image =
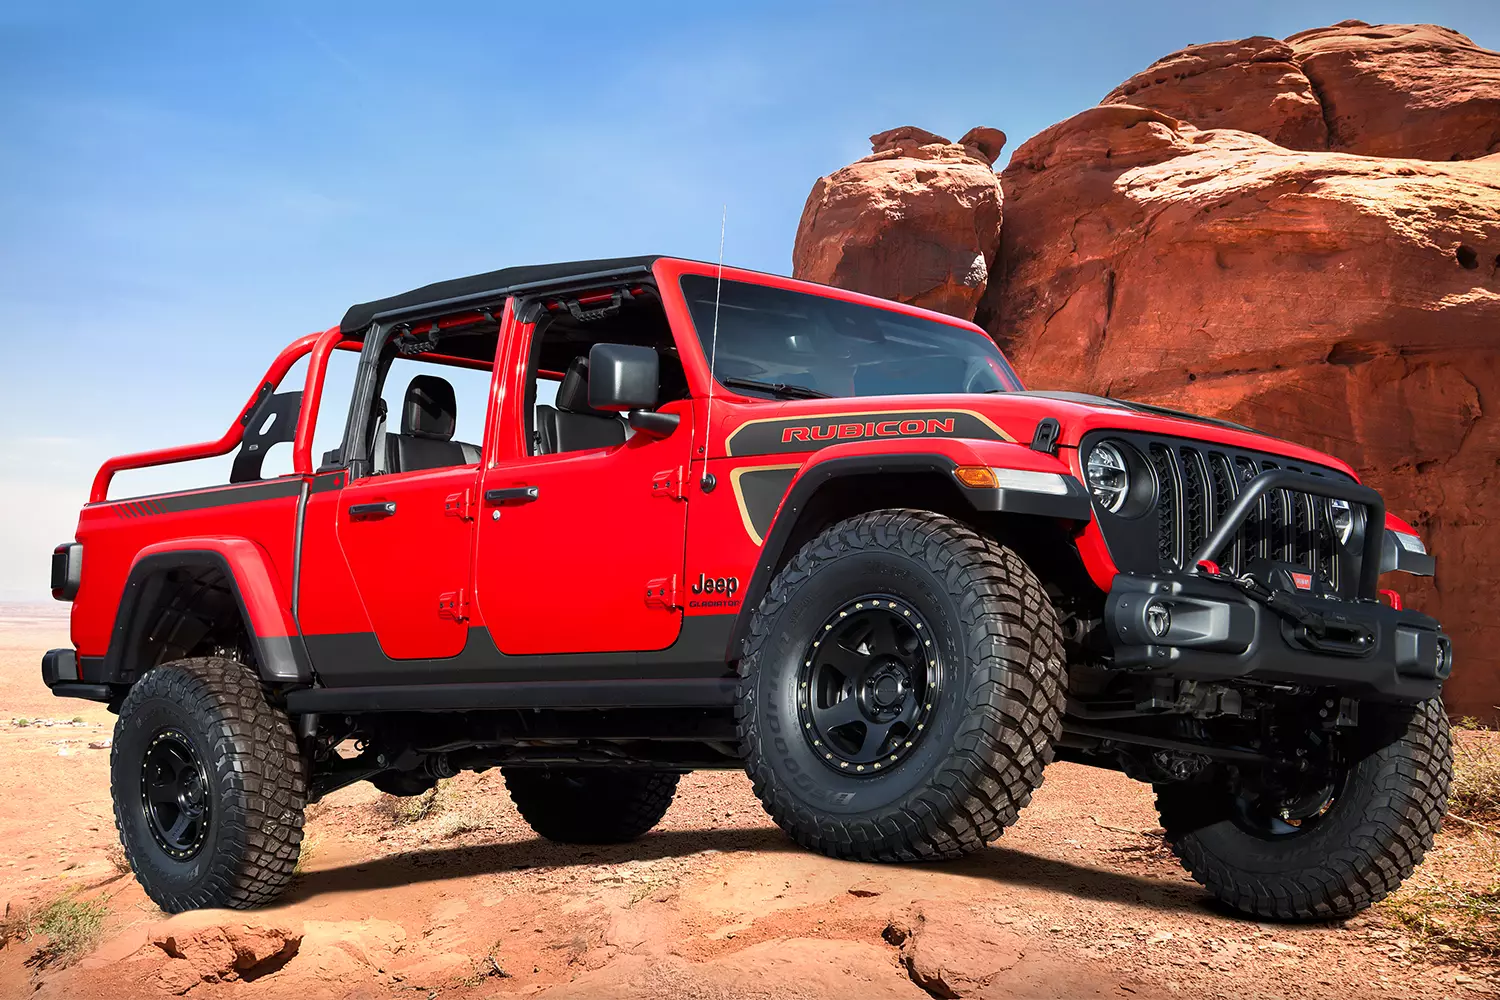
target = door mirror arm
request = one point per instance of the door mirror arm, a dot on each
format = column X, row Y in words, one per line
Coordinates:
column 653, row 424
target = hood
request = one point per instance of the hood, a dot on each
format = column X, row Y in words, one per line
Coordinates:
column 800, row 425
column 1127, row 404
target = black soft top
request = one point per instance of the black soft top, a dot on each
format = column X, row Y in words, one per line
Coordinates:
column 490, row 285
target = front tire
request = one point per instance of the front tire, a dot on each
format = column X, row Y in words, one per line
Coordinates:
column 590, row 805
column 901, row 690
column 1320, row 860
column 208, row 786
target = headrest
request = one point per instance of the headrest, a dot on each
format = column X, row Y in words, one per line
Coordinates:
column 573, row 393
column 429, row 410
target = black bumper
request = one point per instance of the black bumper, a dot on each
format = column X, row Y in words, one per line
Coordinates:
column 63, row 674
column 1217, row 633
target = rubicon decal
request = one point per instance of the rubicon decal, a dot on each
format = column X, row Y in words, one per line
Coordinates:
column 809, row 433
column 884, row 428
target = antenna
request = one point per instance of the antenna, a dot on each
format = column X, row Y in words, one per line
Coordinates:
column 708, row 481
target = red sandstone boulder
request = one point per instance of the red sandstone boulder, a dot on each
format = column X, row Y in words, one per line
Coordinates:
column 1349, row 303
column 918, row 220
column 1412, row 90
column 1253, row 84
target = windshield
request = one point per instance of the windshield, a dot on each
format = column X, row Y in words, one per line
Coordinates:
column 783, row 344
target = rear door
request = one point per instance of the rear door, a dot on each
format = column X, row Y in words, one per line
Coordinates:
column 407, row 539
column 407, row 530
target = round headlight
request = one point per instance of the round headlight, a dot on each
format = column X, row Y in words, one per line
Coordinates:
column 1108, row 477
column 1343, row 520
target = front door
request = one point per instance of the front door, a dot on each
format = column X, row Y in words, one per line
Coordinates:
column 582, row 552
column 582, row 523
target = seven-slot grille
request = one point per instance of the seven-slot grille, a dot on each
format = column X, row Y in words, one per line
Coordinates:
column 1197, row 482
column 1196, row 486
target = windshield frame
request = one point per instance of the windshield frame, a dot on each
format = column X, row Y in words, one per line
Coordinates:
column 671, row 274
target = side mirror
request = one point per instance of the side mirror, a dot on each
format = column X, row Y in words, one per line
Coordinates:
column 623, row 377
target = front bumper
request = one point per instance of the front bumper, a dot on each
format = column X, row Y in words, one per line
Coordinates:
column 1216, row 633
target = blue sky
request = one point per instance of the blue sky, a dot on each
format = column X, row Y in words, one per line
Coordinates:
column 185, row 188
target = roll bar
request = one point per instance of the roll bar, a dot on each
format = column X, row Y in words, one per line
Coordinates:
column 319, row 345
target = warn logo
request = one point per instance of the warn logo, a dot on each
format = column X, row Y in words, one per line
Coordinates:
column 868, row 429
column 804, row 433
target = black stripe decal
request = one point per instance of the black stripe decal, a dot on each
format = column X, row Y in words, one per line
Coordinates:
column 810, row 432
column 176, row 503
column 355, row 659
column 759, row 493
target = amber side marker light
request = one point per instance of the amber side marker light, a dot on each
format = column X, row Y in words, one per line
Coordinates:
column 983, row 477
column 980, row 477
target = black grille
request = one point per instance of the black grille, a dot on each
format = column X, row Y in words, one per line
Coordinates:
column 1196, row 488
column 1197, row 483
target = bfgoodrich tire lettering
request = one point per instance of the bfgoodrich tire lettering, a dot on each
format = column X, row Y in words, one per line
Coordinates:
column 1373, row 835
column 995, row 716
column 255, row 785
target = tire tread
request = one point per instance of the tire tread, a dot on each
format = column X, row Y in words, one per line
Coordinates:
column 1014, row 696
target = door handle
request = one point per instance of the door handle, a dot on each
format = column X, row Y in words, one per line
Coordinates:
column 511, row 494
column 372, row 511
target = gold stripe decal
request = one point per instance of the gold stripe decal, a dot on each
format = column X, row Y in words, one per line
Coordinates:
column 810, row 432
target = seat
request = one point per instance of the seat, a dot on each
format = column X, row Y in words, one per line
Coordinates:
column 573, row 425
column 428, row 416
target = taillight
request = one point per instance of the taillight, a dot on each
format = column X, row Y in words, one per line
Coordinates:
column 67, row 571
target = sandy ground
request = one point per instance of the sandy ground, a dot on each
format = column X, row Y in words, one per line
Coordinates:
column 1079, row 899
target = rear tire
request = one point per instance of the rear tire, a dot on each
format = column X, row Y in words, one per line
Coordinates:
column 209, row 787
column 1373, row 833
column 590, row 805
column 964, row 626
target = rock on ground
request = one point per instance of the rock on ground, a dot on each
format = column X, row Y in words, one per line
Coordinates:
column 918, row 220
column 210, row 946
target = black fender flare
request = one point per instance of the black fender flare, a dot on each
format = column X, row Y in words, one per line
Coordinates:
column 280, row 659
column 1074, row 506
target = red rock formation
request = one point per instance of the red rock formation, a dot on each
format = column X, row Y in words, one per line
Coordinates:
column 1404, row 89
column 1349, row 303
column 917, row 220
column 1413, row 90
column 1253, row 84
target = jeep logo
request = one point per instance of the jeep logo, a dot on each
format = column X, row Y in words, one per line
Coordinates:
column 726, row 585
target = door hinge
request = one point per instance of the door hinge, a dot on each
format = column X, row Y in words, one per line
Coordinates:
column 662, row 593
column 454, row 606
column 460, row 505
column 668, row 484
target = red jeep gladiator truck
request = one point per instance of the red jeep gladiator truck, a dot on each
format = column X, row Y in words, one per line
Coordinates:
column 704, row 517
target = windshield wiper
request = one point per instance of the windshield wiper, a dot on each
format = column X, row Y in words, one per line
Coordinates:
column 781, row 390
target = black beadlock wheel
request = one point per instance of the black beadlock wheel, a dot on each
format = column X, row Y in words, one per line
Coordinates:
column 901, row 689
column 1330, row 848
column 590, row 805
column 208, row 786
